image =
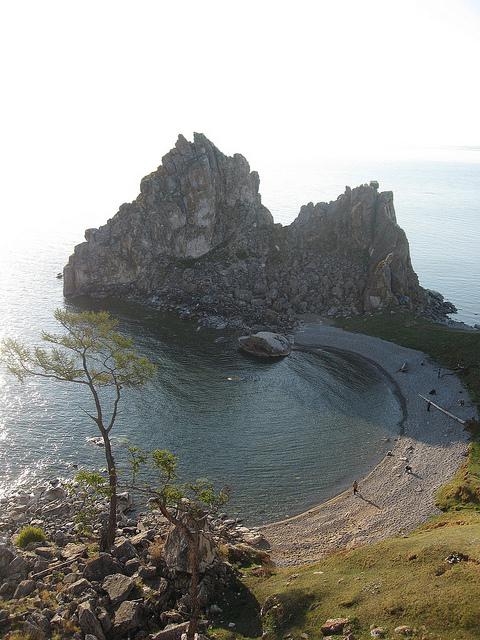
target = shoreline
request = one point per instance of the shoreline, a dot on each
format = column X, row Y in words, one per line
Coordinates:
column 390, row 501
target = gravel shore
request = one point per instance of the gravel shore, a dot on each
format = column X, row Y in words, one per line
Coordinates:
column 390, row 501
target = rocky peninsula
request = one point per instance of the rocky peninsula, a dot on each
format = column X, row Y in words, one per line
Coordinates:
column 199, row 241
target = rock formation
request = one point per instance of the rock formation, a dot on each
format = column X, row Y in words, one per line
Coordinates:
column 197, row 240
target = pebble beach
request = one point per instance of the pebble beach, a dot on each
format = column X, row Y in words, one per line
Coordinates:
column 390, row 501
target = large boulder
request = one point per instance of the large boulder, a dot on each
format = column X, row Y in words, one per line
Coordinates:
column 124, row 550
column 172, row 632
column 88, row 621
column 128, row 617
column 25, row 588
column 7, row 554
column 100, row 567
column 78, row 587
column 118, row 587
column 193, row 203
column 265, row 344
column 176, row 553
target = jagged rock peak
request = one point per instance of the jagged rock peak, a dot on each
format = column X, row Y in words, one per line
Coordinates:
column 199, row 177
column 198, row 240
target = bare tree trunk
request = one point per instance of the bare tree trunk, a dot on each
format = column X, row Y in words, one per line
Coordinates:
column 193, row 544
column 108, row 533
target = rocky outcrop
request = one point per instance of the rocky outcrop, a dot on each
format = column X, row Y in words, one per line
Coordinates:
column 198, row 240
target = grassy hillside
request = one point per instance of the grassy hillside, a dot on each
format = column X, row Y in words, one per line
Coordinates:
column 401, row 581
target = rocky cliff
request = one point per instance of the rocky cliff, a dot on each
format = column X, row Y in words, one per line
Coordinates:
column 198, row 240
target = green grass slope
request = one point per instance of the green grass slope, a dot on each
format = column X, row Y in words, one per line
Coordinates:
column 400, row 581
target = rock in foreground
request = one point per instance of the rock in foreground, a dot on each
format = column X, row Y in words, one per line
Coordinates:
column 265, row 344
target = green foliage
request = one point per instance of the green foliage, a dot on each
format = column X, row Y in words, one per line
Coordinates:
column 90, row 351
column 168, row 491
column 463, row 490
column 87, row 487
column 29, row 534
column 92, row 481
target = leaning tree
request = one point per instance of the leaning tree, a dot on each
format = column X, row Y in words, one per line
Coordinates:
column 187, row 506
column 92, row 353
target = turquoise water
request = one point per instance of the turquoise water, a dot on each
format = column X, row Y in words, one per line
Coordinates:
column 283, row 435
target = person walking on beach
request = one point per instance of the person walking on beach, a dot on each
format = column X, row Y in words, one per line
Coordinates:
column 355, row 487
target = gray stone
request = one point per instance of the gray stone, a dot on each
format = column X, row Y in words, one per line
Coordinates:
column 60, row 539
column 147, row 572
column 128, row 617
column 333, row 626
column 105, row 620
column 33, row 632
column 265, row 344
column 175, row 550
column 45, row 552
column 25, row 588
column 7, row 589
column 77, row 588
column 118, row 587
column 55, row 493
column 6, row 557
column 40, row 621
column 88, row 621
column 40, row 565
column 101, row 567
column 18, row 567
column 124, row 502
column 171, row 632
column 131, row 566
column 142, row 538
column 70, row 578
column 72, row 549
column 124, row 550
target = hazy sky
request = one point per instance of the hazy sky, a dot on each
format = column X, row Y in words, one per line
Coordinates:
column 94, row 93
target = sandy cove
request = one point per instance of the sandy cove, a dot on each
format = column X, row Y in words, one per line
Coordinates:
column 390, row 501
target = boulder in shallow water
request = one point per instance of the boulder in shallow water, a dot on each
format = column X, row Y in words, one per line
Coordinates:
column 265, row 344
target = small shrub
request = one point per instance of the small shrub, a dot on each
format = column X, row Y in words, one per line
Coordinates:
column 156, row 551
column 30, row 534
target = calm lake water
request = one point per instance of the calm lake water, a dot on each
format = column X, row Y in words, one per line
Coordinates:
column 283, row 435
